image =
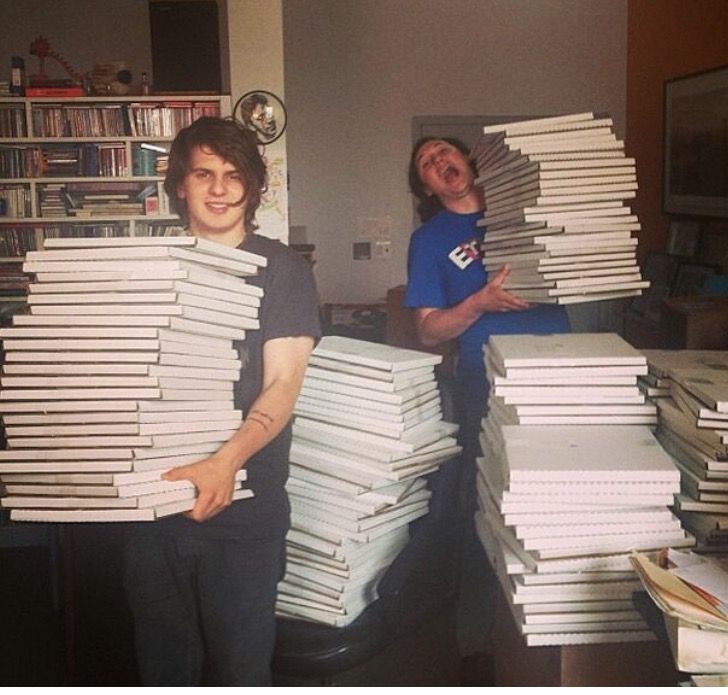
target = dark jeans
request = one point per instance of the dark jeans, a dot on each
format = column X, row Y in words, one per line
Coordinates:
column 478, row 582
column 203, row 607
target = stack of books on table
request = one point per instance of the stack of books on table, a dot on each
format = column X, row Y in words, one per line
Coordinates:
column 561, row 503
column 123, row 368
column 693, row 428
column 555, row 192
column 368, row 426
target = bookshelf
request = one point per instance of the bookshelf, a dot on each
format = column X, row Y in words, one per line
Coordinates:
column 86, row 166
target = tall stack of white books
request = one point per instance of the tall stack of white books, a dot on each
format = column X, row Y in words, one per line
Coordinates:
column 123, row 368
column 564, row 500
column 694, row 430
column 368, row 426
column 555, row 192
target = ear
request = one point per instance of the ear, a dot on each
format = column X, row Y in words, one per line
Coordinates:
column 180, row 192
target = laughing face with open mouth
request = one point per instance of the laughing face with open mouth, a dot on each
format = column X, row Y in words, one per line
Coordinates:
column 447, row 174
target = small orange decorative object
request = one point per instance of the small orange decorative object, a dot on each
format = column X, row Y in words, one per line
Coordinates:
column 41, row 48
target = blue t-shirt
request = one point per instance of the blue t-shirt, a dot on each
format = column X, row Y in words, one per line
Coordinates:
column 445, row 266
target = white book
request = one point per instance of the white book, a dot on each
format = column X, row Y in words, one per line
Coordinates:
column 201, row 245
column 127, row 274
column 222, row 307
column 71, row 344
column 396, row 384
column 80, row 289
column 312, row 386
column 79, row 298
column 585, row 454
column 72, row 359
column 104, row 320
column 79, row 394
column 542, row 125
column 103, row 515
column 78, row 381
column 239, row 299
column 206, row 328
column 373, row 354
column 80, row 369
column 51, row 332
column 564, row 350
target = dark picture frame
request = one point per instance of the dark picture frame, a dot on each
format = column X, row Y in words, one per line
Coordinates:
column 690, row 277
column 695, row 174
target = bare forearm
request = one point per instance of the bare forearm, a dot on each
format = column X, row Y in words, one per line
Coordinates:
column 265, row 420
column 440, row 325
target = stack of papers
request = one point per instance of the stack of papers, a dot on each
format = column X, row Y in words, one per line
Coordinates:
column 113, row 378
column 555, row 191
column 694, row 430
column 691, row 592
column 562, row 505
column 367, row 428
column 570, row 379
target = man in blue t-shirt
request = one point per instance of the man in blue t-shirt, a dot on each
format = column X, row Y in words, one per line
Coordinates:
column 454, row 298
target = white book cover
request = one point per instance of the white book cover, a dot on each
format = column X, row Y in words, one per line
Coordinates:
column 41, row 291
column 563, row 350
column 201, row 245
column 311, row 385
column 111, row 515
column 420, row 376
column 373, row 354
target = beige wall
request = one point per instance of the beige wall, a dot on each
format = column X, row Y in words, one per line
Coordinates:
column 357, row 71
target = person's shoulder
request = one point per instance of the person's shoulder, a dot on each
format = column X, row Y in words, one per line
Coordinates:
column 273, row 249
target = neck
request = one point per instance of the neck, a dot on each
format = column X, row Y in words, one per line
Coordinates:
column 474, row 201
column 232, row 237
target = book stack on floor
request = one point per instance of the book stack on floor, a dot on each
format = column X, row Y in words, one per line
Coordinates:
column 563, row 501
column 368, row 426
column 693, row 428
column 113, row 377
column 555, row 191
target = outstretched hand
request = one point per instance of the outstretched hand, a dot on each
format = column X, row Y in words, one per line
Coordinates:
column 215, row 482
column 493, row 298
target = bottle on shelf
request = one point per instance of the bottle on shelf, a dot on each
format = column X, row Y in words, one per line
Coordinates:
column 17, row 76
column 145, row 84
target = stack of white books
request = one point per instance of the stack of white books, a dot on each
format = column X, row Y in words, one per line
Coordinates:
column 123, row 368
column 694, row 430
column 555, row 192
column 562, row 505
column 570, row 379
column 368, row 426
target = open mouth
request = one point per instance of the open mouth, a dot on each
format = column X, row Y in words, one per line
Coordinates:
column 450, row 173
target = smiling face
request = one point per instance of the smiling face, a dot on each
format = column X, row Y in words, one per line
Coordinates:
column 214, row 192
column 446, row 173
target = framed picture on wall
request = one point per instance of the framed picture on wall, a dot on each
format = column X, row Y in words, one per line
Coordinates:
column 690, row 278
column 695, row 176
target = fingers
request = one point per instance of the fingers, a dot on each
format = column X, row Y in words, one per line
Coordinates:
column 207, row 506
column 180, row 473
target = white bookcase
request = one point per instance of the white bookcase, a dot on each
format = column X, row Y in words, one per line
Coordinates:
column 87, row 166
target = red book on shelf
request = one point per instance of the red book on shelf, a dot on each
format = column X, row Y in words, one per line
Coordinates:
column 73, row 91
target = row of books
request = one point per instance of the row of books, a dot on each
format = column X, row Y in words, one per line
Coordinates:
column 368, row 427
column 555, row 191
column 68, row 160
column 123, row 367
column 102, row 199
column 12, row 121
column 146, row 119
column 693, row 428
column 15, row 201
column 17, row 241
column 570, row 482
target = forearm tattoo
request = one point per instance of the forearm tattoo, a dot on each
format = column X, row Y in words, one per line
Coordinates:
column 261, row 418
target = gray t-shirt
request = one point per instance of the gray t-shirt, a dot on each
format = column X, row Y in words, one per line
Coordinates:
column 289, row 308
